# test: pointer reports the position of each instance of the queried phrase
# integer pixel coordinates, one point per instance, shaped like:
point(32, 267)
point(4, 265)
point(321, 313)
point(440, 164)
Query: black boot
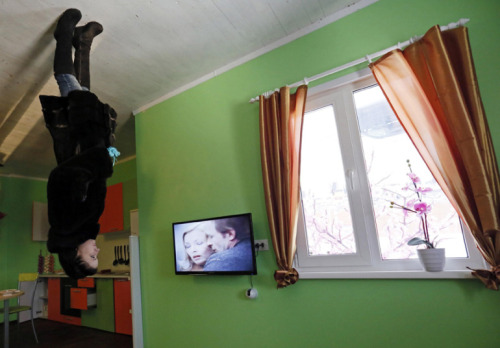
point(82, 40)
point(63, 60)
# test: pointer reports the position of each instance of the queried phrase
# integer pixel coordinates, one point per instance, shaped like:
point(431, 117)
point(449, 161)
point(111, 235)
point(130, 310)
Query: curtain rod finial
point(460, 23)
point(463, 21)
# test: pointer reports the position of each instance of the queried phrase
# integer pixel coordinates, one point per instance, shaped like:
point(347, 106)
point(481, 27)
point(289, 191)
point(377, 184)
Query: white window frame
point(366, 263)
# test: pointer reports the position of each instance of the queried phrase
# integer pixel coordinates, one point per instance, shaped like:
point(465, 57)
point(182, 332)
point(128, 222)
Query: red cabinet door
point(112, 217)
point(79, 298)
point(86, 283)
point(54, 301)
point(123, 306)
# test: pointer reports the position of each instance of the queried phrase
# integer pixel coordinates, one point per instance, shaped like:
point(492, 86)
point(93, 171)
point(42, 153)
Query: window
point(353, 164)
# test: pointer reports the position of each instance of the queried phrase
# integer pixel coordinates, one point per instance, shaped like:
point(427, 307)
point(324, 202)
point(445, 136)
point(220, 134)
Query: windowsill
point(464, 274)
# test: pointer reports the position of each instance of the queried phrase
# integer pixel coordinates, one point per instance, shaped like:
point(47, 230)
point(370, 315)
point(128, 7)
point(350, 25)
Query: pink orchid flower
point(414, 177)
point(422, 208)
point(424, 189)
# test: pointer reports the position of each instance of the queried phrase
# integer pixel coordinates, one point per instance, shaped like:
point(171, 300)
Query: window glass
point(387, 148)
point(323, 186)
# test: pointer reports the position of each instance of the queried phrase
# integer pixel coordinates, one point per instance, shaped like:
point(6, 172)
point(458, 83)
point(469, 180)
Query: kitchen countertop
point(110, 275)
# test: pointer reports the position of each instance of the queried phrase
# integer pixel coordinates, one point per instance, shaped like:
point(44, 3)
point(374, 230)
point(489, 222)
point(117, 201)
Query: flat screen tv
point(220, 245)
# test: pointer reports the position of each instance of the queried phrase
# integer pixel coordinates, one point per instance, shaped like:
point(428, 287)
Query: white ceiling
point(149, 50)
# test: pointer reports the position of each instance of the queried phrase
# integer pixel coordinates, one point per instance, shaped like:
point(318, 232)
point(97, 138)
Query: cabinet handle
point(76, 291)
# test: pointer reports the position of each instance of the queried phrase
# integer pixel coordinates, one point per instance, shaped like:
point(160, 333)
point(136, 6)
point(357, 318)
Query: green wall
point(18, 253)
point(198, 156)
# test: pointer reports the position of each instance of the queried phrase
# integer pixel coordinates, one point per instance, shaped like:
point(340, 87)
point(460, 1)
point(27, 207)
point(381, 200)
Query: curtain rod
point(367, 58)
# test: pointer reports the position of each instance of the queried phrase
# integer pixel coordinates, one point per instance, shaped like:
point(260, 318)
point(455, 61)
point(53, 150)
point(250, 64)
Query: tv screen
point(220, 245)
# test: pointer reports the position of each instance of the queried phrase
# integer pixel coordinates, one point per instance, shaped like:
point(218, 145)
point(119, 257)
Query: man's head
point(228, 232)
point(80, 262)
point(88, 252)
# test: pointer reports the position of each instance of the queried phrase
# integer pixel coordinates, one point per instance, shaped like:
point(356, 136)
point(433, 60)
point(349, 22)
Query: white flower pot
point(433, 260)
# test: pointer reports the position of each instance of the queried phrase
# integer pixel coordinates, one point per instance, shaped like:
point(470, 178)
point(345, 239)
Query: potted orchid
point(431, 257)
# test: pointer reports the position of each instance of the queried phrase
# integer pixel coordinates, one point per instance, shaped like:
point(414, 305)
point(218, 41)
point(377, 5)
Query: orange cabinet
point(83, 298)
point(86, 283)
point(54, 304)
point(123, 306)
point(79, 298)
point(112, 218)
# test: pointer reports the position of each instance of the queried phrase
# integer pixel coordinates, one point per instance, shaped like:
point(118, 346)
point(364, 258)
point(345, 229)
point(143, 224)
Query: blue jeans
point(68, 83)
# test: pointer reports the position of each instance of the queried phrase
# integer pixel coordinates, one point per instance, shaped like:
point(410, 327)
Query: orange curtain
point(432, 88)
point(281, 118)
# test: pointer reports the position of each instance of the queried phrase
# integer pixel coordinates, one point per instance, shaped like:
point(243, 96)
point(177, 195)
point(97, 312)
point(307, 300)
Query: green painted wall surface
point(18, 253)
point(198, 156)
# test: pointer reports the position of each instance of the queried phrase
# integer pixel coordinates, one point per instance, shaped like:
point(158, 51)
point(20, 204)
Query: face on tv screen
point(222, 245)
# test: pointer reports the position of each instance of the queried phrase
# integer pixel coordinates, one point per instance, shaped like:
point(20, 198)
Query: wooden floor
point(53, 334)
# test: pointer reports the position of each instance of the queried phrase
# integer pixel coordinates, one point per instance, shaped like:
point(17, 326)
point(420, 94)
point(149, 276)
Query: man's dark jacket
point(82, 128)
point(238, 258)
